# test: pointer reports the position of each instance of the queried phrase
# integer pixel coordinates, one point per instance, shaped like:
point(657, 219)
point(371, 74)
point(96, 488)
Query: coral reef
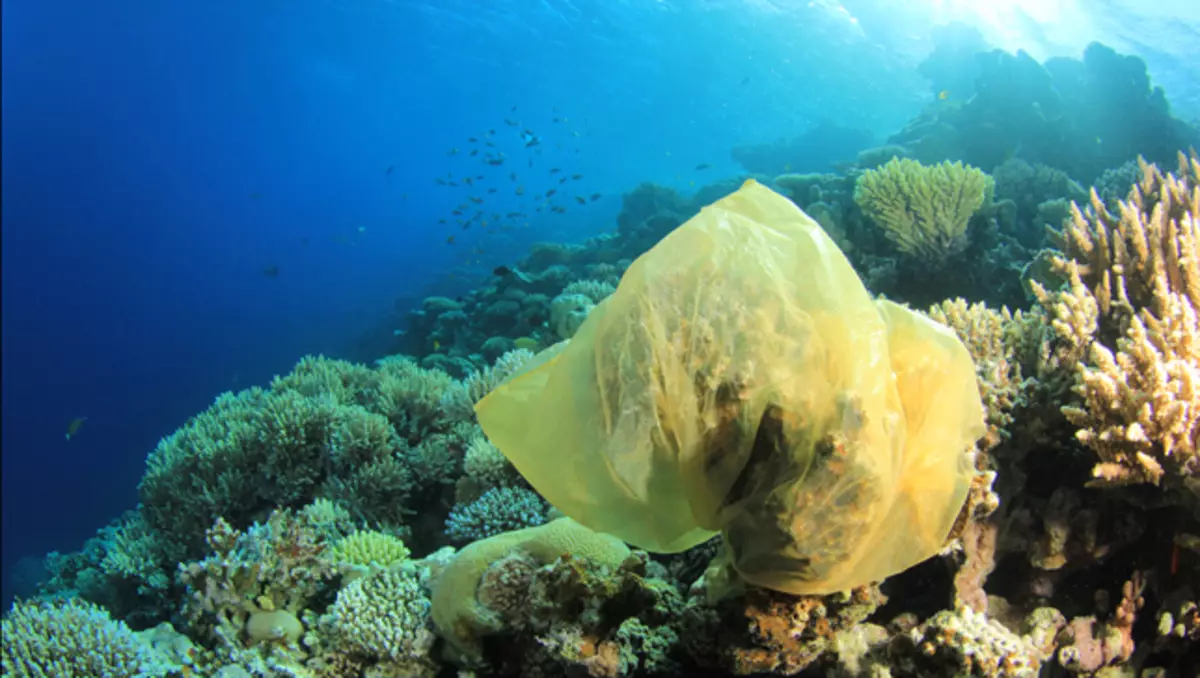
point(349, 521)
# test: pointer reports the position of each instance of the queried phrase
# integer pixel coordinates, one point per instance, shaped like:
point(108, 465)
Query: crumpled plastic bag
point(742, 381)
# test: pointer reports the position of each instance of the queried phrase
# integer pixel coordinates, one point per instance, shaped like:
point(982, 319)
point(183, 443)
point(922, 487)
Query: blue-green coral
point(500, 509)
point(71, 638)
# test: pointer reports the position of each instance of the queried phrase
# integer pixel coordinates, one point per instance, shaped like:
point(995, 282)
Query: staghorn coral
point(1129, 321)
point(924, 209)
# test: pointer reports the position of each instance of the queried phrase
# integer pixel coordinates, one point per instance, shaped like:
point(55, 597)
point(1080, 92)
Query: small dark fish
point(530, 139)
point(558, 209)
point(73, 426)
point(466, 225)
point(491, 190)
point(457, 213)
point(476, 199)
point(450, 240)
point(576, 177)
point(595, 197)
point(491, 132)
point(469, 181)
point(389, 170)
point(515, 215)
point(489, 144)
point(562, 181)
point(554, 170)
point(453, 151)
point(441, 221)
point(501, 271)
point(513, 176)
point(745, 81)
point(581, 201)
point(255, 196)
point(440, 182)
point(474, 152)
point(271, 271)
point(472, 139)
point(703, 166)
point(513, 109)
point(551, 192)
point(453, 183)
point(511, 122)
point(495, 161)
point(304, 242)
point(478, 177)
point(520, 190)
point(530, 163)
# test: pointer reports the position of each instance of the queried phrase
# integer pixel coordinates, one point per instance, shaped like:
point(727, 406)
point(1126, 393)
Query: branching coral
point(458, 402)
point(500, 509)
point(994, 340)
point(383, 619)
point(1130, 320)
point(71, 639)
point(923, 209)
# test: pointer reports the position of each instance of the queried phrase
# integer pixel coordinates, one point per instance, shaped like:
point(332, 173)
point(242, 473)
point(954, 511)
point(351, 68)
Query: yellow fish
point(437, 345)
point(73, 427)
point(943, 95)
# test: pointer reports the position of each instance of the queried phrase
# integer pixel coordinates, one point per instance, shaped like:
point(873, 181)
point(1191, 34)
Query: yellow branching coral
point(924, 209)
point(1130, 315)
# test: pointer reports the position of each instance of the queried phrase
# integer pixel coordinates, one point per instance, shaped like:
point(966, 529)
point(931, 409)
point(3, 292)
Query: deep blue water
point(157, 157)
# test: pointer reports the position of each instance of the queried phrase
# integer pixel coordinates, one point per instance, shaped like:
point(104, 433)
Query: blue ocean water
point(197, 194)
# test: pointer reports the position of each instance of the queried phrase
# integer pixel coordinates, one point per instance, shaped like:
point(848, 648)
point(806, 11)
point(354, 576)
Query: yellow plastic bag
point(742, 381)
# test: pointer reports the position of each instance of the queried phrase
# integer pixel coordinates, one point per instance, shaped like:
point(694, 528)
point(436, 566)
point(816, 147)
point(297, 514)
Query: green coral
point(369, 548)
point(924, 209)
point(329, 429)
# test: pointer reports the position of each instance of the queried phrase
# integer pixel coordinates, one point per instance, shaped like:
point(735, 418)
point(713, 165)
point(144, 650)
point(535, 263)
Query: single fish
point(271, 271)
point(73, 426)
point(703, 166)
point(581, 200)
